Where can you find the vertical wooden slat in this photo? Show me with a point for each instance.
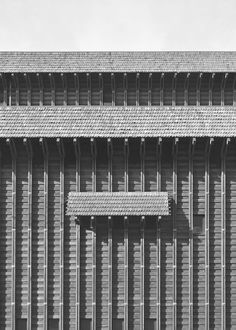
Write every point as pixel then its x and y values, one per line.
pixel 101 88
pixel 13 274
pixel 89 88
pixel 125 89
pixel 174 89
pixel 126 275
pixel 175 151
pixel 207 168
pixel 76 82
pixel 211 84
pixel 162 89
pixel 28 146
pixel 113 96
pixel 191 153
pixel 28 84
pixel 52 82
pixel 93 228
pixel 198 88
pixel 3 78
pixel 109 151
pixel 16 82
pixel 126 317
pixel 223 232
pixel 62 154
pixel 234 91
pixel 137 88
pixel 158 239
pixel 142 228
pixel 40 82
pixel 77 223
pixel 64 83
pixel 43 143
pixel 186 85
pixel 150 89
pixel 222 90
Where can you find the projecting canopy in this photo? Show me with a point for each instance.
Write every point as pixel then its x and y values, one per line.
pixel 118 204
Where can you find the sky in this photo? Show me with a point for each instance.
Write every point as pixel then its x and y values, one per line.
pixel 124 25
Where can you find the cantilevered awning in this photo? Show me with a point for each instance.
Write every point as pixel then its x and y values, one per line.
pixel 117 203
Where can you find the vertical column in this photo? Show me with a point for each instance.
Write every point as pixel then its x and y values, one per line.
pixel 211 84
pixel 77 223
pixel 44 146
pixel 76 82
pixel 109 150
pixel 64 83
pixel 16 82
pixel 234 92
pixel 89 88
pixel 222 90
pixel 174 89
pixel 101 88
pixel 28 146
pixel 126 223
pixel 28 84
pixel 223 232
pixel 142 228
pixel 137 88
pixel 191 154
pixel 40 81
pixel 186 84
pixel 207 167
pixel 61 151
pixel 150 89
pixel 199 88
pixel 112 89
pixel 158 238
pixel 175 151
pixel 93 228
pixel 162 89
pixel 4 83
pixel 52 82
pixel 125 89
pixel 12 147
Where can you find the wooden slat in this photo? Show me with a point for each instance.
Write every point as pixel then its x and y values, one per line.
pixel 150 89
pixel 158 239
pixel 137 88
pixel 62 155
pixel 191 153
pixel 186 85
pixel 126 275
pixel 13 275
pixel 175 150
pixel 222 94
pixel 29 307
pixel 77 222
pixel 109 150
pixel 199 88
pixel 207 183
pixel 89 88
pixel 52 82
pixel 125 89
pixel 94 290
pixel 162 89
pixel 174 89
pixel 211 83
pixel 223 231
pixel 4 84
pixel 43 143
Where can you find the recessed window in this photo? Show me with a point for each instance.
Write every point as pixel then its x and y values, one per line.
pixel 21 324
pixel 117 324
pixel 53 324
pixel 198 224
pixel 86 324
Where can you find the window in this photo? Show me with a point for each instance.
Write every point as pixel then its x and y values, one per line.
pixel 21 324
pixel 53 324
pixel 198 224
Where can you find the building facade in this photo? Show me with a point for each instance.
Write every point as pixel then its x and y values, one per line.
pixel 118 190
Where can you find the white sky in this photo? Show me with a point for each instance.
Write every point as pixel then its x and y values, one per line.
pixel 117 25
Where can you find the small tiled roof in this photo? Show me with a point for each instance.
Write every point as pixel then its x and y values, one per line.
pixel 117 203
pixel 95 121
pixel 118 61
